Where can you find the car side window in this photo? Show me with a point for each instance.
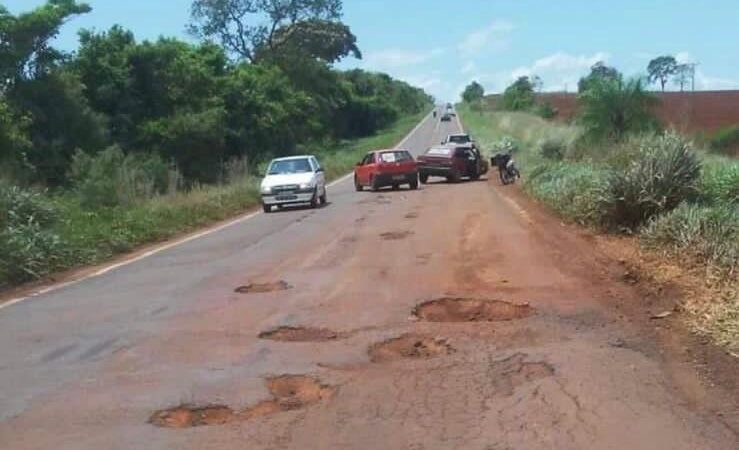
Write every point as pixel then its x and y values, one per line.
pixel 367 159
pixel 316 165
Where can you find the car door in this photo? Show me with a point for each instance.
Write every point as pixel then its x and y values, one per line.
pixel 365 170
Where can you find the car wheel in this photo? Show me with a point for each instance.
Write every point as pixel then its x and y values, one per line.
pixel 424 178
pixel 453 177
pixel 475 177
pixel 314 200
pixel 396 187
pixel 324 197
pixel 357 187
pixel 413 184
pixel 375 185
pixel 267 208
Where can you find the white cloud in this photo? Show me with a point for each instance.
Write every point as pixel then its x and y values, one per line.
pixel 392 58
pixel 491 37
pixel 560 70
pixel 684 58
pixel 705 82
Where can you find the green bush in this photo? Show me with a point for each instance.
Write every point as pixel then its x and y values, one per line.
pixel 505 145
pixel 111 178
pixel 545 111
pixel 708 233
pixel 575 190
pixel 665 173
pixel 725 140
pixel 719 183
pixel 553 149
pixel 21 207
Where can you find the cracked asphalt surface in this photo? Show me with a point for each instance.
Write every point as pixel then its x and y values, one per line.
pixel 86 366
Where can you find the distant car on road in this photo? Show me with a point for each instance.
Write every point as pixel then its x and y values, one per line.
pixel 460 139
pixel 293 180
pixel 382 168
pixel 446 117
pixel 451 162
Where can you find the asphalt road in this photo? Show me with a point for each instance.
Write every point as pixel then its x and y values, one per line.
pixel 86 366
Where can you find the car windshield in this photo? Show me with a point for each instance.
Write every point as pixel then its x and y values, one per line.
pixel 287 166
pixel 460 139
pixel 439 151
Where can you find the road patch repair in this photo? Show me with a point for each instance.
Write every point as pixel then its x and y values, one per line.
pixel 289 392
pixel 409 346
pixel 470 310
pixel 263 288
pixel 300 334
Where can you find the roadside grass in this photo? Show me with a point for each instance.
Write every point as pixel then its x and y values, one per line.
pixel 694 220
pixel 43 233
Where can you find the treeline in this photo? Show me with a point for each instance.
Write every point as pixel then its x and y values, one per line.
pixel 173 103
pixel 124 142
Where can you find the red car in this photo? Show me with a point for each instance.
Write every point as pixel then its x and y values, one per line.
pixel 381 168
pixel 452 162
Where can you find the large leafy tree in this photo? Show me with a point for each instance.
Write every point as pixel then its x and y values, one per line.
pixel 473 92
pixel 251 29
pixel 660 70
pixel 610 109
pixel 519 95
pixel 25 52
pixel 598 72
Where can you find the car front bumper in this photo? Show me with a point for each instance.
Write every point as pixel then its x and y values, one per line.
pixel 288 198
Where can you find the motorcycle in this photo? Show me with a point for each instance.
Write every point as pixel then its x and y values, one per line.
pixel 506 168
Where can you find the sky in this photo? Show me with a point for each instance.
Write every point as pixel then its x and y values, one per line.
pixel 442 46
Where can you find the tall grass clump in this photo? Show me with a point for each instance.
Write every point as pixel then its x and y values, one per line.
pixel 665 172
pixel 575 190
pixel 707 233
pixel 719 182
pixel 725 140
pixel 28 246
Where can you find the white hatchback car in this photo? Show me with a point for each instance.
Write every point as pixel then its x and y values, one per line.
pixel 293 180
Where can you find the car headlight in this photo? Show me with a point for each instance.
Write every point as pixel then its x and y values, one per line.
pixel 266 190
pixel 306 186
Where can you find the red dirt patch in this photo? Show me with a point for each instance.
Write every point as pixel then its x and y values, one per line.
pixel 300 334
pixel 470 310
pixel 263 288
pixel 409 346
pixel 289 392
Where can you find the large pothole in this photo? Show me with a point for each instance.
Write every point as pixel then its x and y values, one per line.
pixel 300 334
pixel 263 288
pixel 471 310
pixel 509 373
pixel 409 346
pixel 289 392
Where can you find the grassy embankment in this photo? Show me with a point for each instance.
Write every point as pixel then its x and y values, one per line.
pixel 600 186
pixel 64 234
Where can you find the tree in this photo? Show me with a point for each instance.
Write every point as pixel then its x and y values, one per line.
pixel 473 92
pixel 683 75
pixel 610 109
pixel 661 69
pixel 519 96
pixel 598 72
pixel 25 52
pixel 248 27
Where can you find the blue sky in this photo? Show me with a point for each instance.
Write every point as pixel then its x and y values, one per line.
pixel 443 45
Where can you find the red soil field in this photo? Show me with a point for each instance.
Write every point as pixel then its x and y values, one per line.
pixel 688 112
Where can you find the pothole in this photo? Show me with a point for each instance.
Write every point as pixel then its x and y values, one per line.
pixel 395 235
pixel 189 416
pixel 300 334
pixel 409 346
pixel 470 310
pixel 411 215
pixel 289 392
pixel 263 288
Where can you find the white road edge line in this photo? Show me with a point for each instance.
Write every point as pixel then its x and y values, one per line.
pixel 154 251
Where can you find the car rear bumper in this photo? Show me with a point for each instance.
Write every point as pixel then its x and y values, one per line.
pixel 287 198
pixel 387 179
pixel 435 171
